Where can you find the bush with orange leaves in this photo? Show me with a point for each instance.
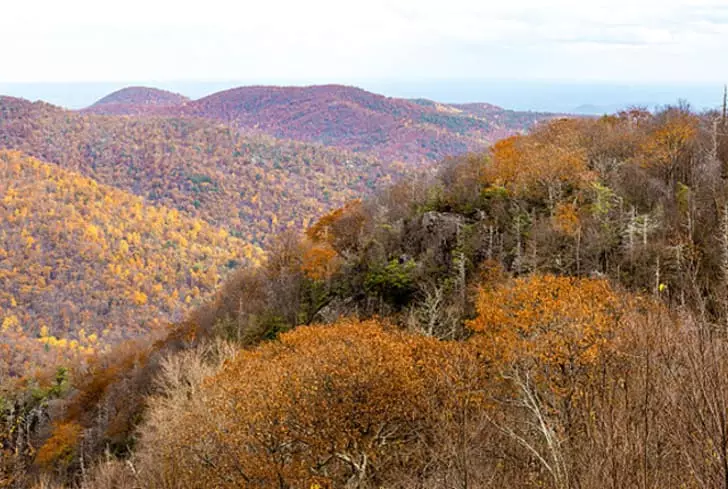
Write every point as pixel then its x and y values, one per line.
pixel 549 338
pixel 545 164
pixel 61 447
pixel 342 405
pixel 547 319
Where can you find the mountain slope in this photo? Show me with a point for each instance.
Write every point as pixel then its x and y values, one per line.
pixel 249 185
pixel 136 100
pixel 347 117
pixel 83 265
pixel 413 131
pixel 568 274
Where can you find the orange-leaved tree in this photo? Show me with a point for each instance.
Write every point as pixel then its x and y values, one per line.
pixel 342 405
pixel 547 336
pixel 669 147
pixel 547 319
pixel 546 164
pixel 340 228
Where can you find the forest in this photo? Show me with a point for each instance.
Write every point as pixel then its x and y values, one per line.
pixel 251 186
pixel 84 266
pixel 550 312
pixel 416 132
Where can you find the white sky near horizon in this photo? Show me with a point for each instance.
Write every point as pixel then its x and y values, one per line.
pixel 316 41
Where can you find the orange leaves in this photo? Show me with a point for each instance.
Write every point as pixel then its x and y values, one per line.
pixel 61 446
pixel 341 227
pixel 320 262
pixel 550 158
pixel 321 405
pixel 566 219
pixel 507 161
pixel 669 139
pixel 547 319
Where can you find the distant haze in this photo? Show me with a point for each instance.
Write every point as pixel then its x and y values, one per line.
pixel 571 97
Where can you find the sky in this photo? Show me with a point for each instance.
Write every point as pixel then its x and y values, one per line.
pixel 372 42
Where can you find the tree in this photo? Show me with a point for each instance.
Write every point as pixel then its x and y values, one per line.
pixel 339 406
pixel 547 336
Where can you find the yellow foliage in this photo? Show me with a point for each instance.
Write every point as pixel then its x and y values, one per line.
pixel 73 250
pixel 139 298
pixel 10 322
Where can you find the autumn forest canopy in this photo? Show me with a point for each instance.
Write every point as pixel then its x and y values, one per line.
pixel 256 290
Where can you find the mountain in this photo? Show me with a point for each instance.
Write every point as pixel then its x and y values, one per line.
pixel 224 178
pixel 250 185
pixel 84 265
pixel 136 100
pixel 507 121
pixel 413 131
pixel 545 315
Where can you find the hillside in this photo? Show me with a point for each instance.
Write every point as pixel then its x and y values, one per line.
pixel 251 186
pixel 357 120
pixel 550 313
pixel 136 100
pixel 84 266
pixel 508 121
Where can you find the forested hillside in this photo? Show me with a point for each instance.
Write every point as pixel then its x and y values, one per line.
pixel 249 186
pixel 549 313
pixel 84 266
pixel 136 101
pixel 392 129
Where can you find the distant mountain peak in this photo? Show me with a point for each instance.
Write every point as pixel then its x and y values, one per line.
pixel 131 100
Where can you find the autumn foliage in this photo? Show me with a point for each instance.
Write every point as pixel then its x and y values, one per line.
pixel 251 186
pixel 84 266
pixel 551 313
pixel 547 319
pixel 347 404
pixel 551 162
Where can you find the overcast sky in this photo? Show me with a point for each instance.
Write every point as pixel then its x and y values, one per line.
pixel 316 41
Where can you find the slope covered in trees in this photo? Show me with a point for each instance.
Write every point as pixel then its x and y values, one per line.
pixel 136 100
pixel 550 313
pixel 353 119
pixel 84 266
pixel 505 121
pixel 250 186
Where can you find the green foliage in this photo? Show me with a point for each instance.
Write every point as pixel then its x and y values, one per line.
pixel 393 281
pixel 604 200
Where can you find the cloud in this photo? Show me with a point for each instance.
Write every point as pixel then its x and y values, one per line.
pixel 331 40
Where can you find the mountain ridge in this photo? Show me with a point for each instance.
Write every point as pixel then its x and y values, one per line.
pixel 136 100
pixel 251 185
pixel 409 130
